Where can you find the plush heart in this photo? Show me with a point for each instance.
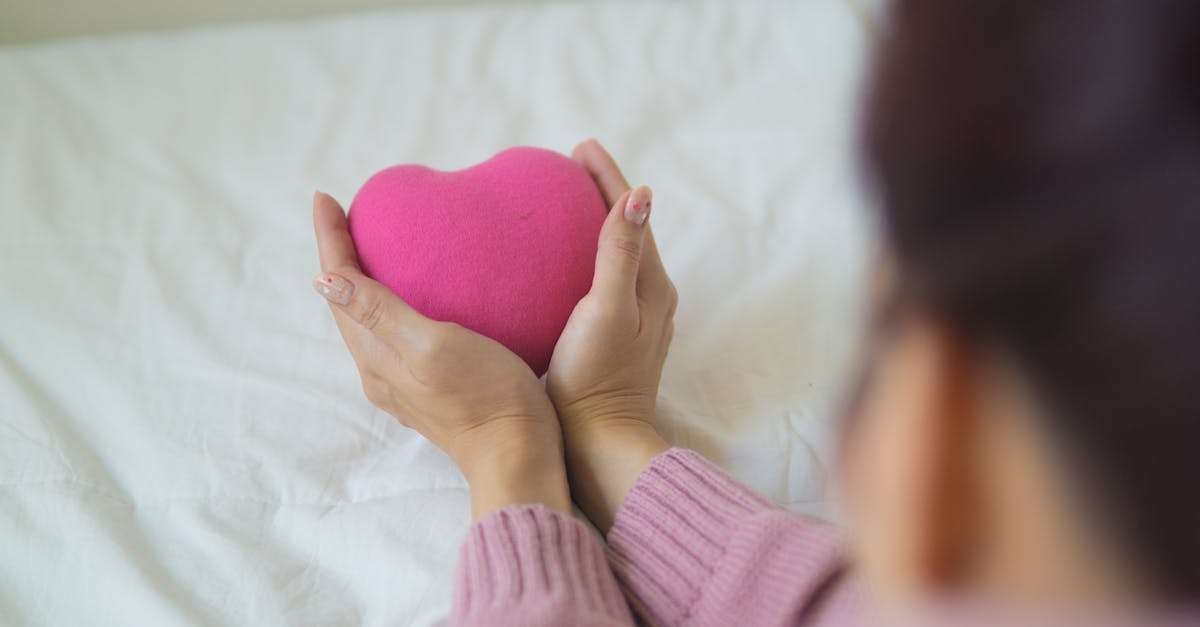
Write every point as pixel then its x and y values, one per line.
pixel 505 248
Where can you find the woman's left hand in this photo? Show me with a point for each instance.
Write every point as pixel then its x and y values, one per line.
pixel 466 393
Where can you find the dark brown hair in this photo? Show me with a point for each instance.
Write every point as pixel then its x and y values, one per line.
pixel 1038 163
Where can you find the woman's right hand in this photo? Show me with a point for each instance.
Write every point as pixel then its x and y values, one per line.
pixel 604 375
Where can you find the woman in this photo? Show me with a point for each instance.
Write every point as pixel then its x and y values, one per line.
pixel 1023 435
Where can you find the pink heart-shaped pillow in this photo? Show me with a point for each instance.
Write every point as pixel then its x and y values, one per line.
pixel 505 248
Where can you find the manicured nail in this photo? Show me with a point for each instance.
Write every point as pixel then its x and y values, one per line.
pixel 334 288
pixel 637 208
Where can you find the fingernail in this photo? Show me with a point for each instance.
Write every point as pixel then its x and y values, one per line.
pixel 334 288
pixel 637 208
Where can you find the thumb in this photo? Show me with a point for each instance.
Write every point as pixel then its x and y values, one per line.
pixel 622 239
pixel 371 305
pixel 368 303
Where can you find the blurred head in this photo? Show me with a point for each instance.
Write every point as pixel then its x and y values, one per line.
pixel 1027 429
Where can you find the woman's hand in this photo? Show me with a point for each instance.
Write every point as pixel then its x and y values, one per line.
pixel 606 367
pixel 466 393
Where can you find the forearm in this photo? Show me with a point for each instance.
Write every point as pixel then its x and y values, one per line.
pixel 604 461
pixel 530 566
pixel 526 560
pixel 692 542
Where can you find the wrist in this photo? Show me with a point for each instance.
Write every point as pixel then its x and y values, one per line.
pixel 612 437
pixel 604 461
pixel 518 462
pixel 597 414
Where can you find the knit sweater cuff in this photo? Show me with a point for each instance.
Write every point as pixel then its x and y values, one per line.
pixel 688 536
pixel 529 565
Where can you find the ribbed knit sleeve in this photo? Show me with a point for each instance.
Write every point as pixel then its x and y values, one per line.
pixel 527 565
pixel 692 546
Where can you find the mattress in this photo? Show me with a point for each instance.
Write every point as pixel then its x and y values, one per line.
pixel 183 437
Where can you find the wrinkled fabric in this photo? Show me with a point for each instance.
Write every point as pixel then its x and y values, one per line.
pixel 183 436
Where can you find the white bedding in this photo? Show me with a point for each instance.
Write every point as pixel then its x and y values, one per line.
pixel 183 438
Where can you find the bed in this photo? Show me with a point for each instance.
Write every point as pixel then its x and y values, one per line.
pixel 183 438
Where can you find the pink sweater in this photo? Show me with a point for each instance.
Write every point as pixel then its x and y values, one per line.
pixel 690 545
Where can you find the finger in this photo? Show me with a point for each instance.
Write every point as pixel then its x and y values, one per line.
pixel 334 244
pixel 603 168
pixel 652 269
pixel 336 249
pixel 622 240
pixel 368 303
pixel 596 160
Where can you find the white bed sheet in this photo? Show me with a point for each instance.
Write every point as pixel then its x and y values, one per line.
pixel 183 439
